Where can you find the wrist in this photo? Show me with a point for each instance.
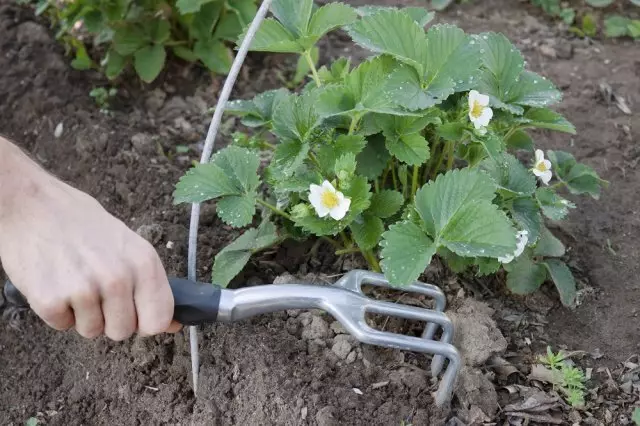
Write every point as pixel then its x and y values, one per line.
pixel 21 180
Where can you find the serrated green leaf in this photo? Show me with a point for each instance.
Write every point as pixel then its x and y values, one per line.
pixel 236 210
pixel 449 64
pixel 214 54
pixel 634 28
pixel 616 26
pixel 363 91
pixel 452 131
pixel 374 157
pixel 345 166
pixel 578 178
pixel 510 174
pixel 115 63
pixel 336 73
pixel 635 417
pixel 419 14
pixel 259 110
pixel 386 203
pixel 232 259
pixel 487 266
pixel 393 32
pixel 190 6
pixel 548 245
pixel 438 201
pixel 366 231
pixel 238 16
pixel 563 279
pixel 273 37
pixel 82 61
pixel 457 264
pixel 440 4
pixel 127 40
pixel 412 149
pixel 289 155
pixel 149 61
pixel 329 17
pixel 296 116
pixel 293 14
pixel 204 21
pixel 493 146
pixel 456 210
pixel 524 276
pixel 526 214
pixel 328 153
pixel 184 53
pixel 520 140
pixel 232 171
pixel 300 181
pixel 406 253
pixel 504 78
pixel 553 206
pixel 544 118
pixel 599 3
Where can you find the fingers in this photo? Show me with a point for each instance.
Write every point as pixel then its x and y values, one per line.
pixel 57 314
pixel 87 309
pixel 152 295
pixel 120 319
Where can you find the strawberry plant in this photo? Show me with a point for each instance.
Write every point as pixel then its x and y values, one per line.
pixel 413 153
pixel 141 33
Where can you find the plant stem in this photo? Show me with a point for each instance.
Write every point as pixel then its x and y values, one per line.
pixel 354 123
pixel 332 242
pixel 345 240
pixel 347 251
pixel 312 67
pixel 274 209
pixel 314 160
pixel 371 260
pixel 393 175
pixel 414 180
pixel 438 163
pixel 376 185
pixel 511 132
pixel 450 154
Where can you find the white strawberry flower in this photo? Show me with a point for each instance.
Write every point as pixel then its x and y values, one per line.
pixel 326 200
pixel 480 113
pixel 522 238
pixel 542 167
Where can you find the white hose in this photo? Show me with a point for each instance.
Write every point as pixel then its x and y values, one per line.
pixel 206 154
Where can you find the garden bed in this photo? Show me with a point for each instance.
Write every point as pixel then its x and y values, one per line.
pixel 282 368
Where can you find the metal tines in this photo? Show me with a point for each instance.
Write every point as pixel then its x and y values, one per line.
pixel 349 308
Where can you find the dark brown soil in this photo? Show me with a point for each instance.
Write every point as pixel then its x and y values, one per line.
pixel 263 371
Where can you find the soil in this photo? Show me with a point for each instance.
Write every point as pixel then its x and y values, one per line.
pixel 282 368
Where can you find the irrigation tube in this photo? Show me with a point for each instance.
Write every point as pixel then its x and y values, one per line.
pixel 206 154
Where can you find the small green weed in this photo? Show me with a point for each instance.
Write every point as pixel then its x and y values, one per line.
pixel 570 380
pixel 102 96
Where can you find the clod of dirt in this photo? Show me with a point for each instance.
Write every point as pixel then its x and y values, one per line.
pixel 316 329
pixel 324 416
pixel 476 335
pixel 474 390
pixel 342 345
pixel 337 328
pixel 143 143
pixel 30 32
pixel 155 100
pixel 152 232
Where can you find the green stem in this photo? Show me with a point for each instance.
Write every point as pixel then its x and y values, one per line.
pixel 393 175
pixel 347 251
pixel 414 180
pixel 267 145
pixel 371 260
pixel 314 160
pixel 451 154
pixel 332 242
pixel 274 209
pixel 312 67
pixel 354 123
pixel 511 132
pixel 345 240
pixel 376 185
pixel 438 163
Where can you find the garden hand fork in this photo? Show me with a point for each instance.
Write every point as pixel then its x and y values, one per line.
pixel 198 303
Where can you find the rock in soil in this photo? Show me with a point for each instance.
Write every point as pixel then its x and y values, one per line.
pixel 316 329
pixel 476 336
pixel 474 389
pixel 342 345
pixel 152 232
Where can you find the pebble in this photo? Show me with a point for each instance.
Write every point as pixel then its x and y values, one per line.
pixel 351 357
pixel 143 143
pixel 58 131
pixel 337 328
pixel 317 329
pixel 152 232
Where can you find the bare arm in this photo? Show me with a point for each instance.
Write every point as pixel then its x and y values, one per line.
pixel 77 265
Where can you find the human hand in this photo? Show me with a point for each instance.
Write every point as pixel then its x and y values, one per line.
pixel 77 265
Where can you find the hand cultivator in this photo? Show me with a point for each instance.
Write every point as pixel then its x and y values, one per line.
pixel 199 303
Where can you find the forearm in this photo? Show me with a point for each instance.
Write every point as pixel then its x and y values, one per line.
pixel 20 179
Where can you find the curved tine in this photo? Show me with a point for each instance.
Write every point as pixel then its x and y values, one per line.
pixel 391 340
pixel 354 279
pixel 433 318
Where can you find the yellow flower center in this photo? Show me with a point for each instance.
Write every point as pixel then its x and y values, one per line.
pixel 541 166
pixel 330 199
pixel 476 110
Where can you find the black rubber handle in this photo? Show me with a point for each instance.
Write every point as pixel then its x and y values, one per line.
pixel 194 303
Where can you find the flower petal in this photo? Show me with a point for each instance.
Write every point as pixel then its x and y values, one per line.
pixel 473 96
pixel 327 186
pixel 339 212
pixel 546 177
pixel 547 164
pixel 539 155
pixel 482 100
